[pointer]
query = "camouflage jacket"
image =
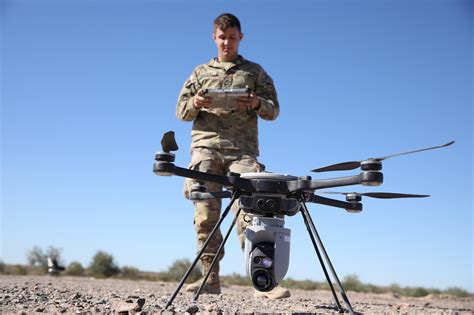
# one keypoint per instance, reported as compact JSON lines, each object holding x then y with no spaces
{"x":220,"y":128}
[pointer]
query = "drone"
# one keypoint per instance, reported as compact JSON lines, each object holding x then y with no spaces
{"x":269,"y":197}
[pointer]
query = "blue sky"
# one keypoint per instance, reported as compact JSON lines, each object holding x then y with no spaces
{"x":88,"y":88}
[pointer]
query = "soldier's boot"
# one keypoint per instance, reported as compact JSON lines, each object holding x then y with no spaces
{"x":276,"y":293}
{"x":212,"y":285}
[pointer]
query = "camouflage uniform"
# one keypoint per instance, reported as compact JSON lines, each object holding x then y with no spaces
{"x":224,"y":140}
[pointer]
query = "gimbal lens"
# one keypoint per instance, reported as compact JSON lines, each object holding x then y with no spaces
{"x":267,"y":262}
{"x":262,"y":281}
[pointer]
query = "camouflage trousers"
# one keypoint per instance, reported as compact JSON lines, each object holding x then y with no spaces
{"x":207,"y":212}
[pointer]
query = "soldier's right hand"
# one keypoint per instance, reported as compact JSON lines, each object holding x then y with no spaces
{"x":200,"y":100}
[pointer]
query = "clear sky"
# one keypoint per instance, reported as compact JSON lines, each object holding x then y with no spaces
{"x":89,"y":87}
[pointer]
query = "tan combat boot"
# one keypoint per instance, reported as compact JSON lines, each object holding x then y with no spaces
{"x":276,"y":293}
{"x":212,"y":285}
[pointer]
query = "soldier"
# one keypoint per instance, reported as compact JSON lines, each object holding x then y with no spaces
{"x":225,"y":139}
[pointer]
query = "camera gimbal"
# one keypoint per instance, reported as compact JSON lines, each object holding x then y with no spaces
{"x":268,"y":197}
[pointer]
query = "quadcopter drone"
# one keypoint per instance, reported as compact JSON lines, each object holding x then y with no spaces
{"x":267,"y":198}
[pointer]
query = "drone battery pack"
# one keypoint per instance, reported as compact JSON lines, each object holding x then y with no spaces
{"x":225,"y":98}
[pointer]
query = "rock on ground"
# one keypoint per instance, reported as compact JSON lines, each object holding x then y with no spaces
{"x":46,"y":294}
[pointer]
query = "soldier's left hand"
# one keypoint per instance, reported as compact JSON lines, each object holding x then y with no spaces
{"x":247,"y":103}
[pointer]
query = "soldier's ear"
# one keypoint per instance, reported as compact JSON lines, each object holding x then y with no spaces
{"x":241,"y":36}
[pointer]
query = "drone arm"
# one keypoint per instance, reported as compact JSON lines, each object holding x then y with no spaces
{"x":336,"y":182}
{"x":355,"y":206}
{"x":218,"y":179}
{"x":166,"y":168}
{"x":197,"y":195}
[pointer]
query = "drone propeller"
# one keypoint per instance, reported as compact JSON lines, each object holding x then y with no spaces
{"x":346,"y":166}
{"x":379,"y":195}
{"x":168,"y":143}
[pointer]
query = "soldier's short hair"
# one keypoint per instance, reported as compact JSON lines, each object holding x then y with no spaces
{"x":225,"y":21}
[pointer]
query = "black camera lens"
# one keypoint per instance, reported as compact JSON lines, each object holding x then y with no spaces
{"x":257,"y":260}
{"x":262,"y":281}
{"x":270,"y":204}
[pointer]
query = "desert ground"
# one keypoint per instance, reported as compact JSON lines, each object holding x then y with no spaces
{"x":47,"y":294}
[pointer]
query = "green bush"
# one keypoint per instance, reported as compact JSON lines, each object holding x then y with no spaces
{"x":376,"y":289}
{"x":75,"y":269}
{"x":395,"y":288}
{"x":19,"y":270}
{"x":457,"y":292}
{"x":130,"y":273}
{"x":418,"y":292}
{"x":352,"y":283}
{"x":302,"y":284}
{"x":177,"y":270}
{"x":236,"y":279}
{"x":103,"y":266}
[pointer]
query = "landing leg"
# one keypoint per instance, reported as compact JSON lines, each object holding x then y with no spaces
{"x":216,"y":257}
{"x":204,"y":246}
{"x":317,"y":243}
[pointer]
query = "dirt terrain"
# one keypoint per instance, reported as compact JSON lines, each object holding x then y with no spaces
{"x":46,"y":294}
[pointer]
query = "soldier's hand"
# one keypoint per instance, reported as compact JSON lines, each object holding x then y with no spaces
{"x":247,"y":103}
{"x":200,"y":100}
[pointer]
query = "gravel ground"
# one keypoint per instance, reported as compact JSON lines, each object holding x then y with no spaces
{"x":45,"y":294}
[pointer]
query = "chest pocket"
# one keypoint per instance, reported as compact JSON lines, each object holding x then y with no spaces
{"x":244,"y":78}
{"x":210,"y":79}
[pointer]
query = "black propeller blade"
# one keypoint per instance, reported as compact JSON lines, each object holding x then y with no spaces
{"x":168,"y":143}
{"x":379,"y":195}
{"x":385,"y":195}
{"x":347,"y":166}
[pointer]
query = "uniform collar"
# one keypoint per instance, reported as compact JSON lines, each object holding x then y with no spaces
{"x":215,"y":63}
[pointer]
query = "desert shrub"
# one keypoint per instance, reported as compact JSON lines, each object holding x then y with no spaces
{"x":415,"y":292}
{"x":19,"y":270}
{"x":436,"y":291}
{"x":352,"y":283}
{"x":376,"y":289}
{"x":177,"y":270}
{"x":103,"y":265}
{"x":130,"y":273}
{"x":2,"y":267}
{"x":309,"y":285}
{"x":236,"y":279}
{"x":412,"y":291}
{"x":456,"y":292}
{"x":302,"y":284}
{"x":395,"y":288}
{"x":75,"y":269}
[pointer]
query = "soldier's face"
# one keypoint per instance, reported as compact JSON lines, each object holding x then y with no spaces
{"x":227,"y":43}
